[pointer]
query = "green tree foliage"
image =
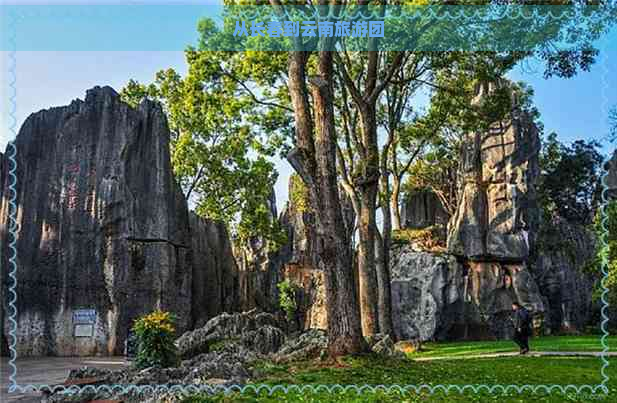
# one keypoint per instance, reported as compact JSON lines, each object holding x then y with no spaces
{"x":155,"y":337}
{"x":569,"y":179}
{"x":606,"y":257}
{"x":298,"y":194}
{"x":287,"y":298}
{"x":222,"y":139}
{"x":453,"y":114}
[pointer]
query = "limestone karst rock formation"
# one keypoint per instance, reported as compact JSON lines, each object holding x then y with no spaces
{"x":435,"y":296}
{"x":104,"y":233}
{"x":301,"y":266}
{"x":215,"y":276}
{"x":261,"y":269}
{"x":497,"y":208}
{"x":563,"y":251}
{"x":423,"y":209}
{"x":467,"y":293}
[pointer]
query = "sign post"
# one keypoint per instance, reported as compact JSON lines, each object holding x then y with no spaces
{"x":83,"y":322}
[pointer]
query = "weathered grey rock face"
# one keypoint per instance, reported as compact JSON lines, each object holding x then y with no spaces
{"x":103,"y":227}
{"x":434,"y":296}
{"x":251,"y":326}
{"x":311,"y":298}
{"x":468,"y":293}
{"x":423,"y":286}
{"x":497,"y":209}
{"x":260,"y":271}
{"x":215,"y":274}
{"x":300,"y":265}
{"x":423,"y":209}
{"x":563,"y":252}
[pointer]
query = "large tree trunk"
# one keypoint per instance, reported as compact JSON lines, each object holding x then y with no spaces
{"x":382,"y":254}
{"x":368,"y":186}
{"x":344,"y":327}
{"x":384,"y":299}
{"x":314,"y":160}
{"x":394,"y":203}
{"x":367,"y":279}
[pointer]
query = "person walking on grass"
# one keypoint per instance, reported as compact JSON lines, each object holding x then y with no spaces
{"x":522,"y":326}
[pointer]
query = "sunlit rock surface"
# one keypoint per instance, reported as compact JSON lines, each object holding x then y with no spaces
{"x":497,"y":208}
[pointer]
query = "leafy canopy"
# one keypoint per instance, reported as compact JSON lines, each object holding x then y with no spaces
{"x":569,"y":178}
{"x":223,"y":139}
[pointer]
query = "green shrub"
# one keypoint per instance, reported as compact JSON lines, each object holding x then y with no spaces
{"x":606,"y":255}
{"x":429,"y":238}
{"x":298,"y":194}
{"x":287,"y":298}
{"x":155,"y":340}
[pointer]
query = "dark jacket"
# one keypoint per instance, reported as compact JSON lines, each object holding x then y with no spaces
{"x":522,"y":319}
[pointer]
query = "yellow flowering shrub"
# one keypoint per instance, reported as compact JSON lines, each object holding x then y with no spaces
{"x":155,"y":340}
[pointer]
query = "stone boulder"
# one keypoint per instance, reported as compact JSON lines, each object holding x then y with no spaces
{"x":104,"y":234}
{"x":408,"y":346}
{"x":255,"y":329}
{"x":382,"y":344}
{"x":436,"y":297}
{"x":497,"y":213}
{"x":310,"y":344}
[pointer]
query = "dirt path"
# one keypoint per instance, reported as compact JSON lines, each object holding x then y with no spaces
{"x":516,"y":354}
{"x":47,"y":370}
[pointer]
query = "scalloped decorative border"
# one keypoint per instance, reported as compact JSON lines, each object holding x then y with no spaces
{"x":14,"y":387}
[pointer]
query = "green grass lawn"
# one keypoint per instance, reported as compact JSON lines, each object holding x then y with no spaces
{"x":374,"y":370}
{"x":544,"y":343}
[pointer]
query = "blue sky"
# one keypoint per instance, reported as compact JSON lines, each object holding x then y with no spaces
{"x":571,"y":107}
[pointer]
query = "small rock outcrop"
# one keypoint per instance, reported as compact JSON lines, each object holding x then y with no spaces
{"x":104,"y":233}
{"x":221,"y":353}
{"x":256,"y":330}
{"x":382,"y":344}
{"x":310,"y":344}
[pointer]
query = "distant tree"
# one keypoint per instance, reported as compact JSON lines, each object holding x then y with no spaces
{"x":569,"y":178}
{"x":606,"y":256}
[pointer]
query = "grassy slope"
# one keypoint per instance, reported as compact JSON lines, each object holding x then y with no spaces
{"x":545,"y":343}
{"x":374,"y":370}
